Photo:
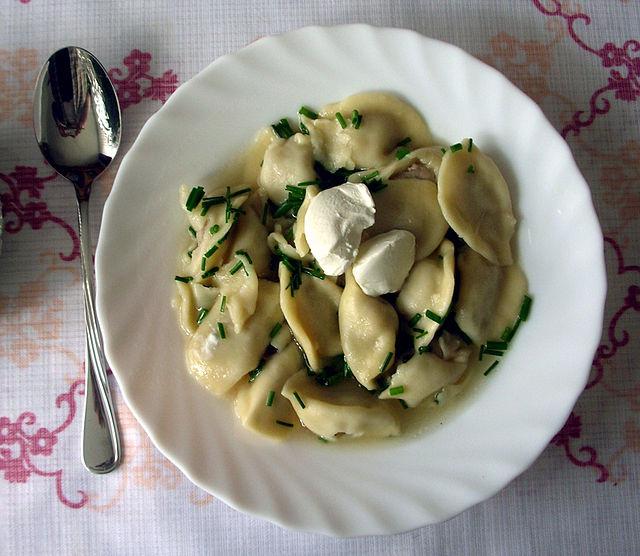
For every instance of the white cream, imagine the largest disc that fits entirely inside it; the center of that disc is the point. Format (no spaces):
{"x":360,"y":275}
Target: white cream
{"x":334,"y":223}
{"x":384,"y":262}
{"x":209,"y":345}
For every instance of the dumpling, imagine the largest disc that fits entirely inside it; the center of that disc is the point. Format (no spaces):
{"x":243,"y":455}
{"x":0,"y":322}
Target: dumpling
{"x":386,"y":120}
{"x":237,"y":283}
{"x":259,"y":404}
{"x":218,"y":357}
{"x":191,"y":298}
{"x":490,"y":296}
{"x":299,"y":239}
{"x":286,"y":162}
{"x":312,"y":313}
{"x":251,"y":237}
{"x":368,"y":327}
{"x":343,"y":409}
{"x":411,"y":205}
{"x":421,"y":376}
{"x":426,"y":295}
{"x":476,"y":203}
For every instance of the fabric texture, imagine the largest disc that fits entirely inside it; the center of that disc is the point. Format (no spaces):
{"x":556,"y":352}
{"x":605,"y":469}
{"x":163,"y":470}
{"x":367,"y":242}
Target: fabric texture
{"x":579,"y":62}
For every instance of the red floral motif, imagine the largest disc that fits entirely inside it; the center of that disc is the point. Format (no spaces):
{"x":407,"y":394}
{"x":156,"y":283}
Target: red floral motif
{"x":572,"y":430}
{"x":18,"y":445}
{"x":623,"y":82}
{"x":616,"y":338}
{"x":138,"y":84}
{"x":23,"y":204}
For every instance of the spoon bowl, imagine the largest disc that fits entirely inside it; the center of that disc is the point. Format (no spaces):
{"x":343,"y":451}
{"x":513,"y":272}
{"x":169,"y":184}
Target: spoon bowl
{"x":76,"y":119}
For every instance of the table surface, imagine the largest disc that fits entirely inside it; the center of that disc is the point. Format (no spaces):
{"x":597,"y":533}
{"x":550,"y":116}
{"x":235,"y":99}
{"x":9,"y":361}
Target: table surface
{"x":579,"y":62}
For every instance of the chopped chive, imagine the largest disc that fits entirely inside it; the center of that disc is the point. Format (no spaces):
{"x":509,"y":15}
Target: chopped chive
{"x":284,"y":423}
{"x":203,"y":264}
{"x":471,"y":169}
{"x":214,"y":229}
{"x":370,"y":176}
{"x":308,"y":182}
{"x":323,"y":439}
{"x":211,"y":251}
{"x":525,"y":308}
{"x":506,"y":334}
{"x":480,"y":354}
{"x":196,"y":195}
{"x":514,"y":329}
{"x":190,"y":254}
{"x":415,"y":319}
{"x":236,"y":267}
{"x":470,"y":145}
{"x":495,"y":352}
{"x":443,"y":150}
{"x":201,"y":314}
{"x":222,"y":331}
{"x":274,"y":331}
{"x":240,"y":192}
{"x":185,"y":279}
{"x":209,"y":273}
{"x":402,"y":152}
{"x":288,"y":234}
{"x":341,"y":120}
{"x":270,"y":397}
{"x":396,"y":390}
{"x":254,"y":374}
{"x":304,"y":129}
{"x":493,"y":366}
{"x":356,"y":119}
{"x":386,"y":361}
{"x":404,"y":404}
{"x":433,"y":316}
{"x":422,"y":334}
{"x":265,"y":212}
{"x":418,"y":330}
{"x":376,"y":185}
{"x":282,"y":129}
{"x":223,"y":303}
{"x":299,"y":400}
{"x":243,"y":252}
{"x":497,"y":345}
{"x":424,"y":349}
{"x":455,"y":148}
{"x":308,"y":113}
{"x":404,"y":142}
{"x":211,"y":201}
{"x":192,"y":231}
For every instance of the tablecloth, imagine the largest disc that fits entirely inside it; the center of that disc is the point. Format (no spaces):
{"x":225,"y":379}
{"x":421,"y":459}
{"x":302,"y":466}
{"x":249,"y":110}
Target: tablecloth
{"x":579,"y":61}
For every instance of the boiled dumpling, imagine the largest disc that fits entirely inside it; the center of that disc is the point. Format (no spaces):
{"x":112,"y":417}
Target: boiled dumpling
{"x":386,"y":120}
{"x":237,"y":283}
{"x":312,"y":313}
{"x":259,"y":404}
{"x":343,"y":409}
{"x":368,"y":327}
{"x":286,"y":162}
{"x":191,"y":298}
{"x":429,"y":287}
{"x":251,"y":237}
{"x":299,"y":239}
{"x":476,"y":203}
{"x":490,"y":296}
{"x":411,"y":205}
{"x":421,"y":376}
{"x":218,"y":362}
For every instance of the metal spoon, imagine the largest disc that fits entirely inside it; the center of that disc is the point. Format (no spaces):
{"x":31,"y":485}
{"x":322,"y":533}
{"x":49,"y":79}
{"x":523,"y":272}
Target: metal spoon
{"x":77,"y":126}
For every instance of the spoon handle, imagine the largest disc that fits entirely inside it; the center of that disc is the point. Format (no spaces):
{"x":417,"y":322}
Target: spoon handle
{"x":101,"y":452}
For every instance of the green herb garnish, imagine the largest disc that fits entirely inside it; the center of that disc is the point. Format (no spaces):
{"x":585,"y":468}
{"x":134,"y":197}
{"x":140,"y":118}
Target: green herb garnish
{"x":455,"y":148}
{"x":211,"y":251}
{"x":299,"y":400}
{"x":493,"y":366}
{"x":404,"y":142}
{"x":209,"y":273}
{"x":525,"y":308}
{"x":443,"y":150}
{"x":304,"y":129}
{"x":386,"y":361}
{"x":284,"y":423}
{"x":282,"y":129}
{"x":203,"y":264}
{"x":495,"y":352}
{"x":223,"y":303}
{"x":404,"y":404}
{"x":270,"y":397}
{"x":221,"y":330}
{"x":424,"y":349}
{"x":470,"y":145}
{"x":356,"y":119}
{"x":185,"y":279}
{"x":236,"y":267}
{"x":274,"y":331}
{"x":254,"y":374}
{"x":201,"y":314}
{"x":415,"y":319}
{"x":402,"y":152}
{"x":192,"y":231}
{"x":341,"y":120}
{"x":396,"y":390}
{"x":502,"y":346}
{"x":214,"y":229}
{"x":471,"y":169}
{"x":433,"y":316}
{"x":292,"y":203}
{"x":308,"y":113}
{"x":195,"y":196}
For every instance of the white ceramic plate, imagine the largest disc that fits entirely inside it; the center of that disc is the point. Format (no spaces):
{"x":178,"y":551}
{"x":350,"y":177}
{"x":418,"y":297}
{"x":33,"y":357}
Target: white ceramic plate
{"x":384,"y":487}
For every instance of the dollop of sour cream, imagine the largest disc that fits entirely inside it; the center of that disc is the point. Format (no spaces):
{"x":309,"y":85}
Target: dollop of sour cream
{"x":209,"y":345}
{"x":334,"y":223}
{"x":383,"y":262}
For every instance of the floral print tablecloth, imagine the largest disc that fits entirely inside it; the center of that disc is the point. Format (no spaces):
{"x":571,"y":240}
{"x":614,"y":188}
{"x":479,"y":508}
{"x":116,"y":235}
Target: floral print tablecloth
{"x":579,"y":61}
